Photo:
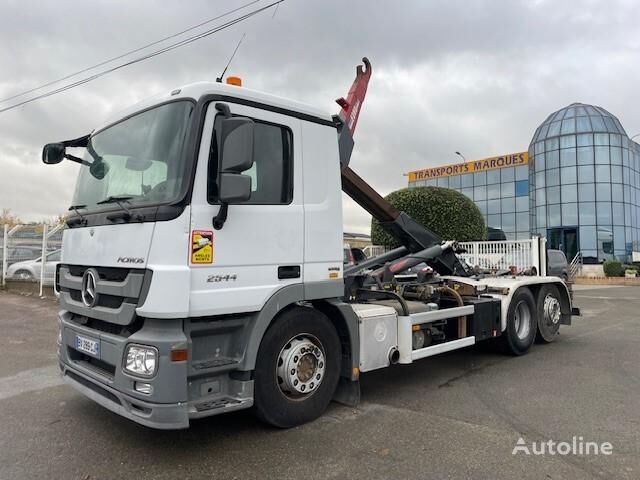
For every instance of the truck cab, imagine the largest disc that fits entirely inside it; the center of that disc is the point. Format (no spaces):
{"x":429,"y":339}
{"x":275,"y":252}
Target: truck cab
{"x":143,"y":237}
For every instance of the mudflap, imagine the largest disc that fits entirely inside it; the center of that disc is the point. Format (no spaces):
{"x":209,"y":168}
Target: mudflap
{"x":565,"y":319}
{"x":347,"y":392}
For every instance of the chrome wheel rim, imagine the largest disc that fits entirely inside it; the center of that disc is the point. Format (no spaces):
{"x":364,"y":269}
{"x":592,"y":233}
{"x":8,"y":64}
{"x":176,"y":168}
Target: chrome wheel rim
{"x":522,"y":320}
{"x":301,"y":366}
{"x":551,"y":310}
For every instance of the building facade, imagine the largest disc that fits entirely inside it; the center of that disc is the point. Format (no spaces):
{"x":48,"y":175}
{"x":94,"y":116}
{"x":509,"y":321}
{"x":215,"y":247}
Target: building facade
{"x":578,"y":185}
{"x":499,"y":186}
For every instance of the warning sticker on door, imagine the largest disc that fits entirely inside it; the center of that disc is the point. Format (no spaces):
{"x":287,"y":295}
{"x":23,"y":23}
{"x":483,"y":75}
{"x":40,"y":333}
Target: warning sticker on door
{"x":202,"y":246}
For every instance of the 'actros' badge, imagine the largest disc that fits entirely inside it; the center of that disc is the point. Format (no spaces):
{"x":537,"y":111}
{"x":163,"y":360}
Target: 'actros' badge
{"x":130,"y":260}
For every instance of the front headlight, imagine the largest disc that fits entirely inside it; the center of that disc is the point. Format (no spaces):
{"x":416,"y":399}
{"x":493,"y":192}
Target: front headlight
{"x":140,"y":360}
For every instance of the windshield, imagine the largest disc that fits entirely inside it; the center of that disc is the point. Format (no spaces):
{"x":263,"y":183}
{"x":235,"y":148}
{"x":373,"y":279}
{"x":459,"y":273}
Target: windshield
{"x":144,"y":159}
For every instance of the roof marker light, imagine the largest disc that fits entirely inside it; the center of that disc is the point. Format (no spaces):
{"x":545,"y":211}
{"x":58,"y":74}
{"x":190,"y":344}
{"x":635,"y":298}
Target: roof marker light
{"x":237,"y":81}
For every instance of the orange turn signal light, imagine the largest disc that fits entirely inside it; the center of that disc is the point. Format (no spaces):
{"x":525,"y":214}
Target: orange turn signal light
{"x":237,"y":81}
{"x":179,"y":355}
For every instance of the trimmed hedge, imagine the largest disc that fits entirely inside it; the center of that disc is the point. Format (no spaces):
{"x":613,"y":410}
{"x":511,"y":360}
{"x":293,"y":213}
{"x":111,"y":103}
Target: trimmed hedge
{"x":448,"y":213}
{"x":613,"y":268}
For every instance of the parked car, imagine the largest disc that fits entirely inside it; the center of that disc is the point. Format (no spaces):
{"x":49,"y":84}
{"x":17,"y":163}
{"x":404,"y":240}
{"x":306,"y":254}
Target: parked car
{"x":353,"y":256}
{"x":20,"y":254}
{"x":30,"y":269}
{"x":495,"y":234}
{"x":557,"y":264}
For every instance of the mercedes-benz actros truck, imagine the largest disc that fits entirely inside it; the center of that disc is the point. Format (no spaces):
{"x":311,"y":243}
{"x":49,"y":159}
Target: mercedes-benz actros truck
{"x":202,"y":266}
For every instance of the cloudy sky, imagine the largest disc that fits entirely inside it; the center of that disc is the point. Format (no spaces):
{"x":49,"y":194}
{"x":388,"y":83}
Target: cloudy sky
{"x":472,"y":76}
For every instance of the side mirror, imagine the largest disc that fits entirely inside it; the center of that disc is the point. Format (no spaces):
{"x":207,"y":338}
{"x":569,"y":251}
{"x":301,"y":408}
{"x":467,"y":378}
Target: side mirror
{"x":234,"y":187}
{"x":236,"y":156}
{"x":53,"y":153}
{"x":236,"y":138}
{"x":99,"y":169}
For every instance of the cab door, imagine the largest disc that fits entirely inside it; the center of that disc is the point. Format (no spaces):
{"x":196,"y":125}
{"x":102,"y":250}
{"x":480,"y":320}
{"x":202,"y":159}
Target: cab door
{"x":259,"y":250}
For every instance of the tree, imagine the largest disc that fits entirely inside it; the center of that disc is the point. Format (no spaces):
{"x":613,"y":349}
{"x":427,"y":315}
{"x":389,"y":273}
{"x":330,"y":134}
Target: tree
{"x":613,"y":268}
{"x":446,"y":212}
{"x":9,"y":218}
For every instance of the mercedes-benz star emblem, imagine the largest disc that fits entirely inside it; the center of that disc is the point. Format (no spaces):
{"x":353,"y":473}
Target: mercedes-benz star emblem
{"x":88,"y":292}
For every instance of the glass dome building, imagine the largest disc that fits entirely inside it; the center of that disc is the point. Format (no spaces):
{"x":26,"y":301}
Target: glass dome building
{"x":577,"y":185}
{"x":584,"y":176}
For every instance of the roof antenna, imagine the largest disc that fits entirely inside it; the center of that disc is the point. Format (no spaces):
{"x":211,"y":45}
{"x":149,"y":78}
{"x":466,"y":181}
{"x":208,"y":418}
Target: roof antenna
{"x":219,"y":79}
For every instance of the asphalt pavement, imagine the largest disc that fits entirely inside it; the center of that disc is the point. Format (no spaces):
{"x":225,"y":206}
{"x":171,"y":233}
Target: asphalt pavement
{"x":458,"y":415}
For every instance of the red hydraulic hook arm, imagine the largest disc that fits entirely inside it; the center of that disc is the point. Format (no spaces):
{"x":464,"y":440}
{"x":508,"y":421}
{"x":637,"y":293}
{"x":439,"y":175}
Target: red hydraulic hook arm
{"x":409,"y":233}
{"x":352,"y":184}
{"x":355,"y":98}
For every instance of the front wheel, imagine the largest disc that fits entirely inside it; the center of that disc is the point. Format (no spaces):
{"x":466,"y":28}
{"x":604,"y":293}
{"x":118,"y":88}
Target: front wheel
{"x":297,"y":368}
{"x":521,"y":323}
{"x":548,"y":314}
{"x":23,"y":275}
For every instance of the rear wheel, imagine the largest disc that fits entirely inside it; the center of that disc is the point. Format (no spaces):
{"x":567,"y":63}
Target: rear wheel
{"x":521,"y":323}
{"x":297,"y":368}
{"x":548,"y":314}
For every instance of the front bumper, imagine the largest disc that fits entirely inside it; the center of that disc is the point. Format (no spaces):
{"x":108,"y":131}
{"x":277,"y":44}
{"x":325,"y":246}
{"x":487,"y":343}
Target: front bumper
{"x":180,"y":393}
{"x":171,"y":416}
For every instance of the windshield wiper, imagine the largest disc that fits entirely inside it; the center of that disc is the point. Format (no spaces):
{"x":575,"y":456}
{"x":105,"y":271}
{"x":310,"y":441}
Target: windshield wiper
{"x":120,"y":200}
{"x":76,"y":209}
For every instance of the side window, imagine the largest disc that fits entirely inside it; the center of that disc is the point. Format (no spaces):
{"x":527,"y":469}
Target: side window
{"x":272,"y":172}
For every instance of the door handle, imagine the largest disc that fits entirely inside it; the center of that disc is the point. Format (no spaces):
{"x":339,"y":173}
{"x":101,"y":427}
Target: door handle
{"x":289,"y":271}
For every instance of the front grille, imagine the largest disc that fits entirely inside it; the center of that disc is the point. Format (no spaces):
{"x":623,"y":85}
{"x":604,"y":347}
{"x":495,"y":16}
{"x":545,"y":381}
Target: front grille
{"x":108,"y":301}
{"x":112,"y":274}
{"x":118,"y":292}
{"x":105,"y":327}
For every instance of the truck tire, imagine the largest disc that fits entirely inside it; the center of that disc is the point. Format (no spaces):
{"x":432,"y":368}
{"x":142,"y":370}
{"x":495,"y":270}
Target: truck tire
{"x":549,"y":313}
{"x":297,"y":368}
{"x":521,"y":323}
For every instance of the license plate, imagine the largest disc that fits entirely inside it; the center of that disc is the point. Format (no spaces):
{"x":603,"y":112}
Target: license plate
{"x":87,"y":345}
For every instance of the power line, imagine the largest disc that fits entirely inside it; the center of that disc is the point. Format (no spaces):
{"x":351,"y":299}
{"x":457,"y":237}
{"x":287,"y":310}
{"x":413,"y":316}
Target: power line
{"x":104,"y":62}
{"x":168,"y":48}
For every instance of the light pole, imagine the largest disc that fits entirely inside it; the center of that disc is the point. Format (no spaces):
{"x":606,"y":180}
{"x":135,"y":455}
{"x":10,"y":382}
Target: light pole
{"x":462,"y":156}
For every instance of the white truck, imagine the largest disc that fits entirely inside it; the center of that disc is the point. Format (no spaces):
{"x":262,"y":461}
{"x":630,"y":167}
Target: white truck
{"x":202,"y":267}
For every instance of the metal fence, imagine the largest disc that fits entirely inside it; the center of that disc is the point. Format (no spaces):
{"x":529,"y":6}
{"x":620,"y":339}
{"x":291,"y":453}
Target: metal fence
{"x":506,"y":255}
{"x":30,"y":253}
{"x":374,"y":250}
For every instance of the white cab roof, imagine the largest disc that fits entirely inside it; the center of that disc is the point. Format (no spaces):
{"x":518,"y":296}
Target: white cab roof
{"x":197,"y":90}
